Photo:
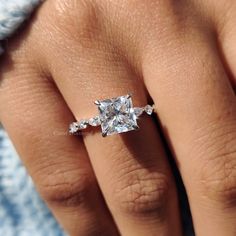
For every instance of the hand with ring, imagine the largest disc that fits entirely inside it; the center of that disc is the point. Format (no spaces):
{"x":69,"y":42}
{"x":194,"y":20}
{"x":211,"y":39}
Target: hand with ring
{"x":163,"y":75}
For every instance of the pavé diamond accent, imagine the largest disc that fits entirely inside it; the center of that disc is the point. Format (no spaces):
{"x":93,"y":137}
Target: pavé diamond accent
{"x":117,"y":115}
{"x":138,"y":111}
{"x":83,"y":124}
{"x":148,"y":109}
{"x":95,"y":121}
{"x":73,"y":128}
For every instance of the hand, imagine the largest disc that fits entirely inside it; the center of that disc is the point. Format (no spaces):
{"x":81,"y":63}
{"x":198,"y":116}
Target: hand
{"x":180,"y":54}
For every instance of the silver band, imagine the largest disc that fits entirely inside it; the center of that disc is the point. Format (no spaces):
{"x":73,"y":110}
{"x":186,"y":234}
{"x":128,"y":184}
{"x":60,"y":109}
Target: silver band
{"x":116,"y":115}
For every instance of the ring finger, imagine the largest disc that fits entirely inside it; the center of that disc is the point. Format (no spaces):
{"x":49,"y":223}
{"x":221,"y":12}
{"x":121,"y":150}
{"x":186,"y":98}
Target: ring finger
{"x":132,"y":169}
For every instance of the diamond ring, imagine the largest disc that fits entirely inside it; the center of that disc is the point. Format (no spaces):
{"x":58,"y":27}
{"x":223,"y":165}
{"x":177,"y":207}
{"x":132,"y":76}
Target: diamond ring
{"x":116,"y":115}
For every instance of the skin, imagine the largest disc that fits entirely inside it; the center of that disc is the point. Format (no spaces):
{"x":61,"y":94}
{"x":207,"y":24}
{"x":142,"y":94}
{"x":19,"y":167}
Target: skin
{"x":180,"y":54}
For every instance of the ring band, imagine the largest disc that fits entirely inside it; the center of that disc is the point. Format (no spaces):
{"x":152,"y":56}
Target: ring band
{"x":116,"y":115}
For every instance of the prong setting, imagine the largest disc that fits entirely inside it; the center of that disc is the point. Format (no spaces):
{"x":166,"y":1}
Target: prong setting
{"x":97,"y":102}
{"x":129,"y":95}
{"x":104,"y":134}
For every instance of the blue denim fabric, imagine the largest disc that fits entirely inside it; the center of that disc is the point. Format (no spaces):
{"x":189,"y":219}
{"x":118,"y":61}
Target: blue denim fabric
{"x":22,"y":212}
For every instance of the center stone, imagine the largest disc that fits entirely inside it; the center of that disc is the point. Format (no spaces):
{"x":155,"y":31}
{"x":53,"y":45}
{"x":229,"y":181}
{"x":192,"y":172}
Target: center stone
{"x":117,"y":115}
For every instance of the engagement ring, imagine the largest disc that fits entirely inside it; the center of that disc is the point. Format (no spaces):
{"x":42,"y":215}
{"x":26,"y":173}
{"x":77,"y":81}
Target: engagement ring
{"x":116,"y":115}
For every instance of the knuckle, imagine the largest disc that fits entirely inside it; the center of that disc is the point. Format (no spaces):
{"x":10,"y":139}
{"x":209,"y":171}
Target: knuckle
{"x":78,"y":19}
{"x":218,"y":180}
{"x":218,"y":172}
{"x":141,"y":193}
{"x":66,"y":187}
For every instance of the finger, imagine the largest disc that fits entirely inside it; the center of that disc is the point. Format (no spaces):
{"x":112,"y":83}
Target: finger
{"x":132,"y":169}
{"x":197,"y":109}
{"x":36,"y":118}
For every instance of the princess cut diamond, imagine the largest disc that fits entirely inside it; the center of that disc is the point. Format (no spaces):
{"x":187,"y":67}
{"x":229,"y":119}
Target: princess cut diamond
{"x":117,"y":115}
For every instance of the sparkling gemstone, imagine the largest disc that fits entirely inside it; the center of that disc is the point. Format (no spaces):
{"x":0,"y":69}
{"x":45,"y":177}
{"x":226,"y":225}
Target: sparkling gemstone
{"x":95,"y":121}
{"x":83,"y":124}
{"x":73,"y":127}
{"x":148,"y":109}
{"x":117,"y":115}
{"x":138,"y":111}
